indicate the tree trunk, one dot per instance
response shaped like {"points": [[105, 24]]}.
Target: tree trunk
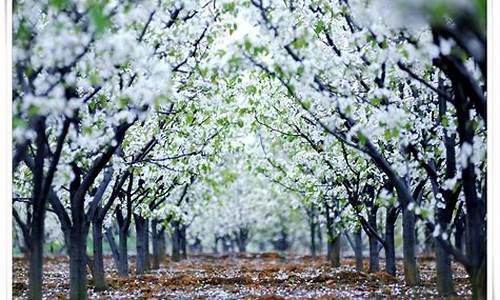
{"points": [[123, 255], [98, 263], [319, 234], [281, 244], [162, 246], [242, 239], [429, 242], [333, 240], [78, 263], [156, 259], [374, 259], [373, 243], [358, 249], [140, 231], [36, 258], [176, 255], [335, 259], [225, 244], [409, 257], [459, 234], [443, 271], [114, 247], [183, 243], [312, 227], [146, 244], [390, 253], [475, 206], [215, 247], [242, 247], [478, 281]]}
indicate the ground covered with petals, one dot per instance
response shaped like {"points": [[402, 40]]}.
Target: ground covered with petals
{"points": [[256, 276]]}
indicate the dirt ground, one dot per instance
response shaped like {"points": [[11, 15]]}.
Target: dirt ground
{"points": [[250, 276]]}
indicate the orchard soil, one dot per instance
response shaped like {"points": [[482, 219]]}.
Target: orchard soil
{"points": [[245, 276]]}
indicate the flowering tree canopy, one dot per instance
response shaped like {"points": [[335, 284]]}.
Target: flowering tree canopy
{"points": [[249, 122]]}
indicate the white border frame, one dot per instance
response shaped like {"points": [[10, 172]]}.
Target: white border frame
{"points": [[6, 148], [493, 224]]}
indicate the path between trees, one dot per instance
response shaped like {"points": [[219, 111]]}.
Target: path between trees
{"points": [[245, 276]]}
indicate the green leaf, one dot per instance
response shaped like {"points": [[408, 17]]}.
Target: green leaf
{"points": [[33, 110], [387, 134], [307, 105], [98, 18], [87, 130], [299, 43], [229, 7], [58, 4], [320, 25], [19, 123], [376, 101], [395, 132], [444, 121], [23, 33], [300, 71], [251, 90], [384, 44], [243, 111], [123, 101], [248, 45], [361, 138], [241, 123]]}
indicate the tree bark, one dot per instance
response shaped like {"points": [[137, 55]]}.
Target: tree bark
{"points": [[141, 244], [36, 258], [373, 243], [333, 240], [176, 255], [78, 263], [358, 249], [98, 263], [123, 255], [162, 243], [335, 259], [312, 229], [409, 257], [183, 242], [390, 253], [156, 259], [443, 271], [459, 234], [242, 239], [478, 281], [114, 248]]}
